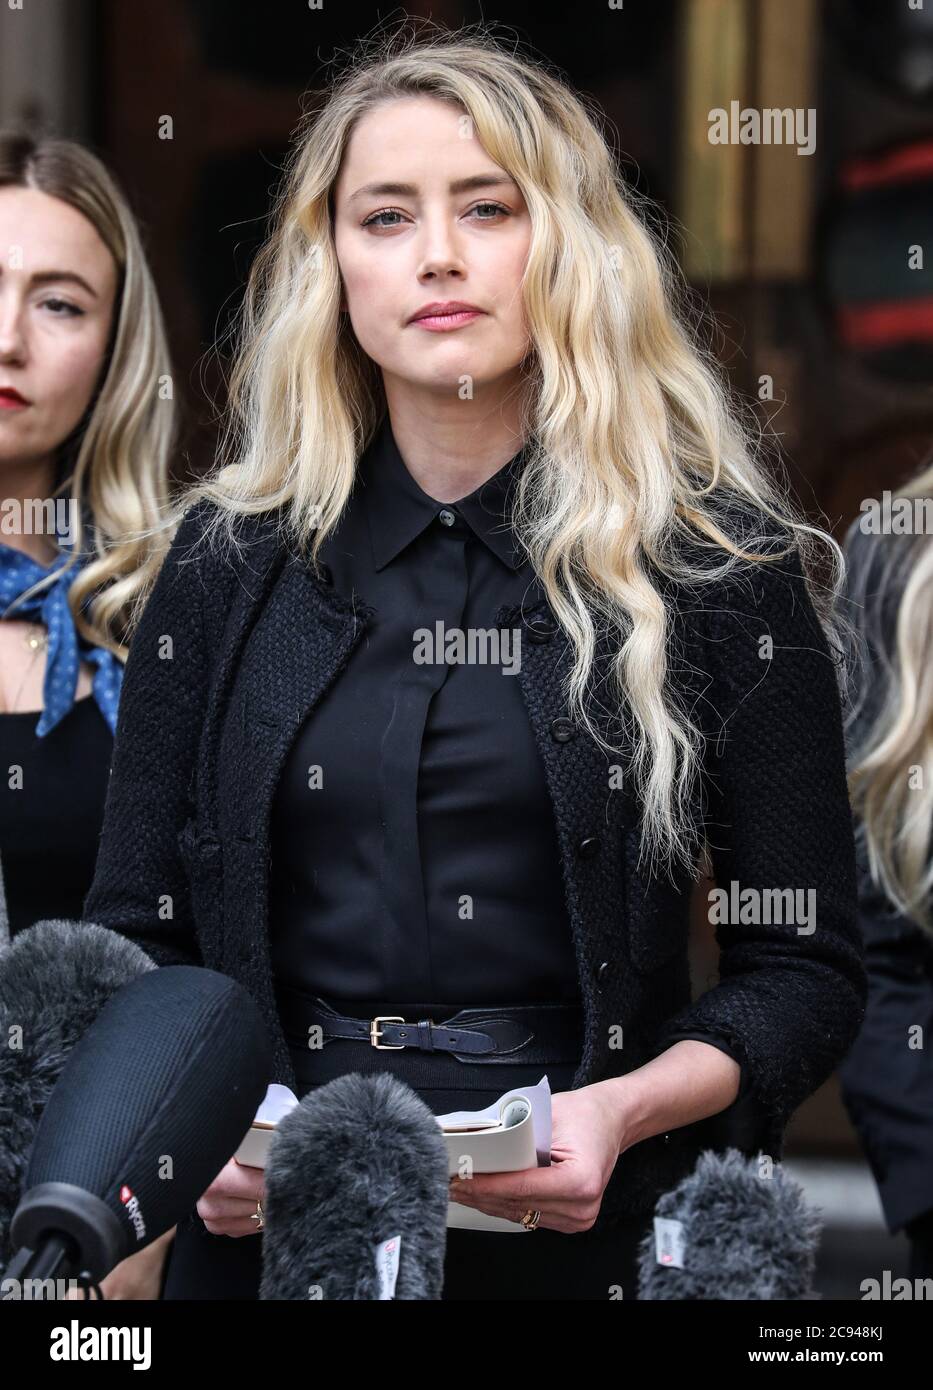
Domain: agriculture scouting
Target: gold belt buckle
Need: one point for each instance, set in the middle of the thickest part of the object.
(375, 1032)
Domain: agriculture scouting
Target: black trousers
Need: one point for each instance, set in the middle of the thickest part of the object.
(490, 1265)
(487, 1265)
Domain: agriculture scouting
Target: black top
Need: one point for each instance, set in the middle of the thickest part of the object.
(414, 855)
(51, 813)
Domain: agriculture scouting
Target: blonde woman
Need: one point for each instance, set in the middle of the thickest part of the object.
(887, 1079)
(86, 426)
(486, 620)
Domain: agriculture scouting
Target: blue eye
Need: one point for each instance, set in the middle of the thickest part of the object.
(386, 212)
(372, 221)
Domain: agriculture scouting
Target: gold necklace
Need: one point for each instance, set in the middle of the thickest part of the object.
(37, 640)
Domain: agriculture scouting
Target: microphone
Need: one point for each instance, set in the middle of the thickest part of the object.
(55, 978)
(356, 1186)
(727, 1233)
(153, 1101)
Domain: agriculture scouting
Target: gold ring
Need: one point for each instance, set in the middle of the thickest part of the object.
(258, 1216)
(530, 1220)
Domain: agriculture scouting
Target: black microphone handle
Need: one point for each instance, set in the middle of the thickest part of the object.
(172, 1070)
(64, 1231)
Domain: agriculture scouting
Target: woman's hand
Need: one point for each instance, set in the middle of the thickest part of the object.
(139, 1276)
(589, 1132)
(229, 1204)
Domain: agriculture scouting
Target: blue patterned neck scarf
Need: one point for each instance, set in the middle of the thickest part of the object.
(19, 572)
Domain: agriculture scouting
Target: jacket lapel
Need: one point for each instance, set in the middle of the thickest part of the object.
(302, 638)
(577, 769)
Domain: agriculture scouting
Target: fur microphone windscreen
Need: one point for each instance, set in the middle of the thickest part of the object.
(359, 1162)
(734, 1228)
(55, 978)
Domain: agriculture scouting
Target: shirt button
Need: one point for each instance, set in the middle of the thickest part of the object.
(588, 846)
(446, 517)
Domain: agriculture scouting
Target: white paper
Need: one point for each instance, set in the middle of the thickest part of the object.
(276, 1104)
(455, 1125)
(486, 1128)
(540, 1097)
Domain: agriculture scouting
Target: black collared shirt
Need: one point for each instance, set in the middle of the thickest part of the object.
(414, 850)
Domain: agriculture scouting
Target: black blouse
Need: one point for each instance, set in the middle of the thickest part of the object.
(414, 855)
(51, 815)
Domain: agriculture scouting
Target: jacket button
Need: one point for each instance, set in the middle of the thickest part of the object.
(541, 629)
(562, 729)
(588, 847)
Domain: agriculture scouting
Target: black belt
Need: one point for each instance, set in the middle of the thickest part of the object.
(517, 1033)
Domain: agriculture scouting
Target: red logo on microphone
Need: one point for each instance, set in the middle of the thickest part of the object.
(133, 1211)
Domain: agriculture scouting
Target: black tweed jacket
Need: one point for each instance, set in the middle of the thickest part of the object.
(230, 656)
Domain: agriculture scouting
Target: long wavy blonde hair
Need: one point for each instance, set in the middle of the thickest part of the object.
(631, 437)
(890, 721)
(115, 463)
